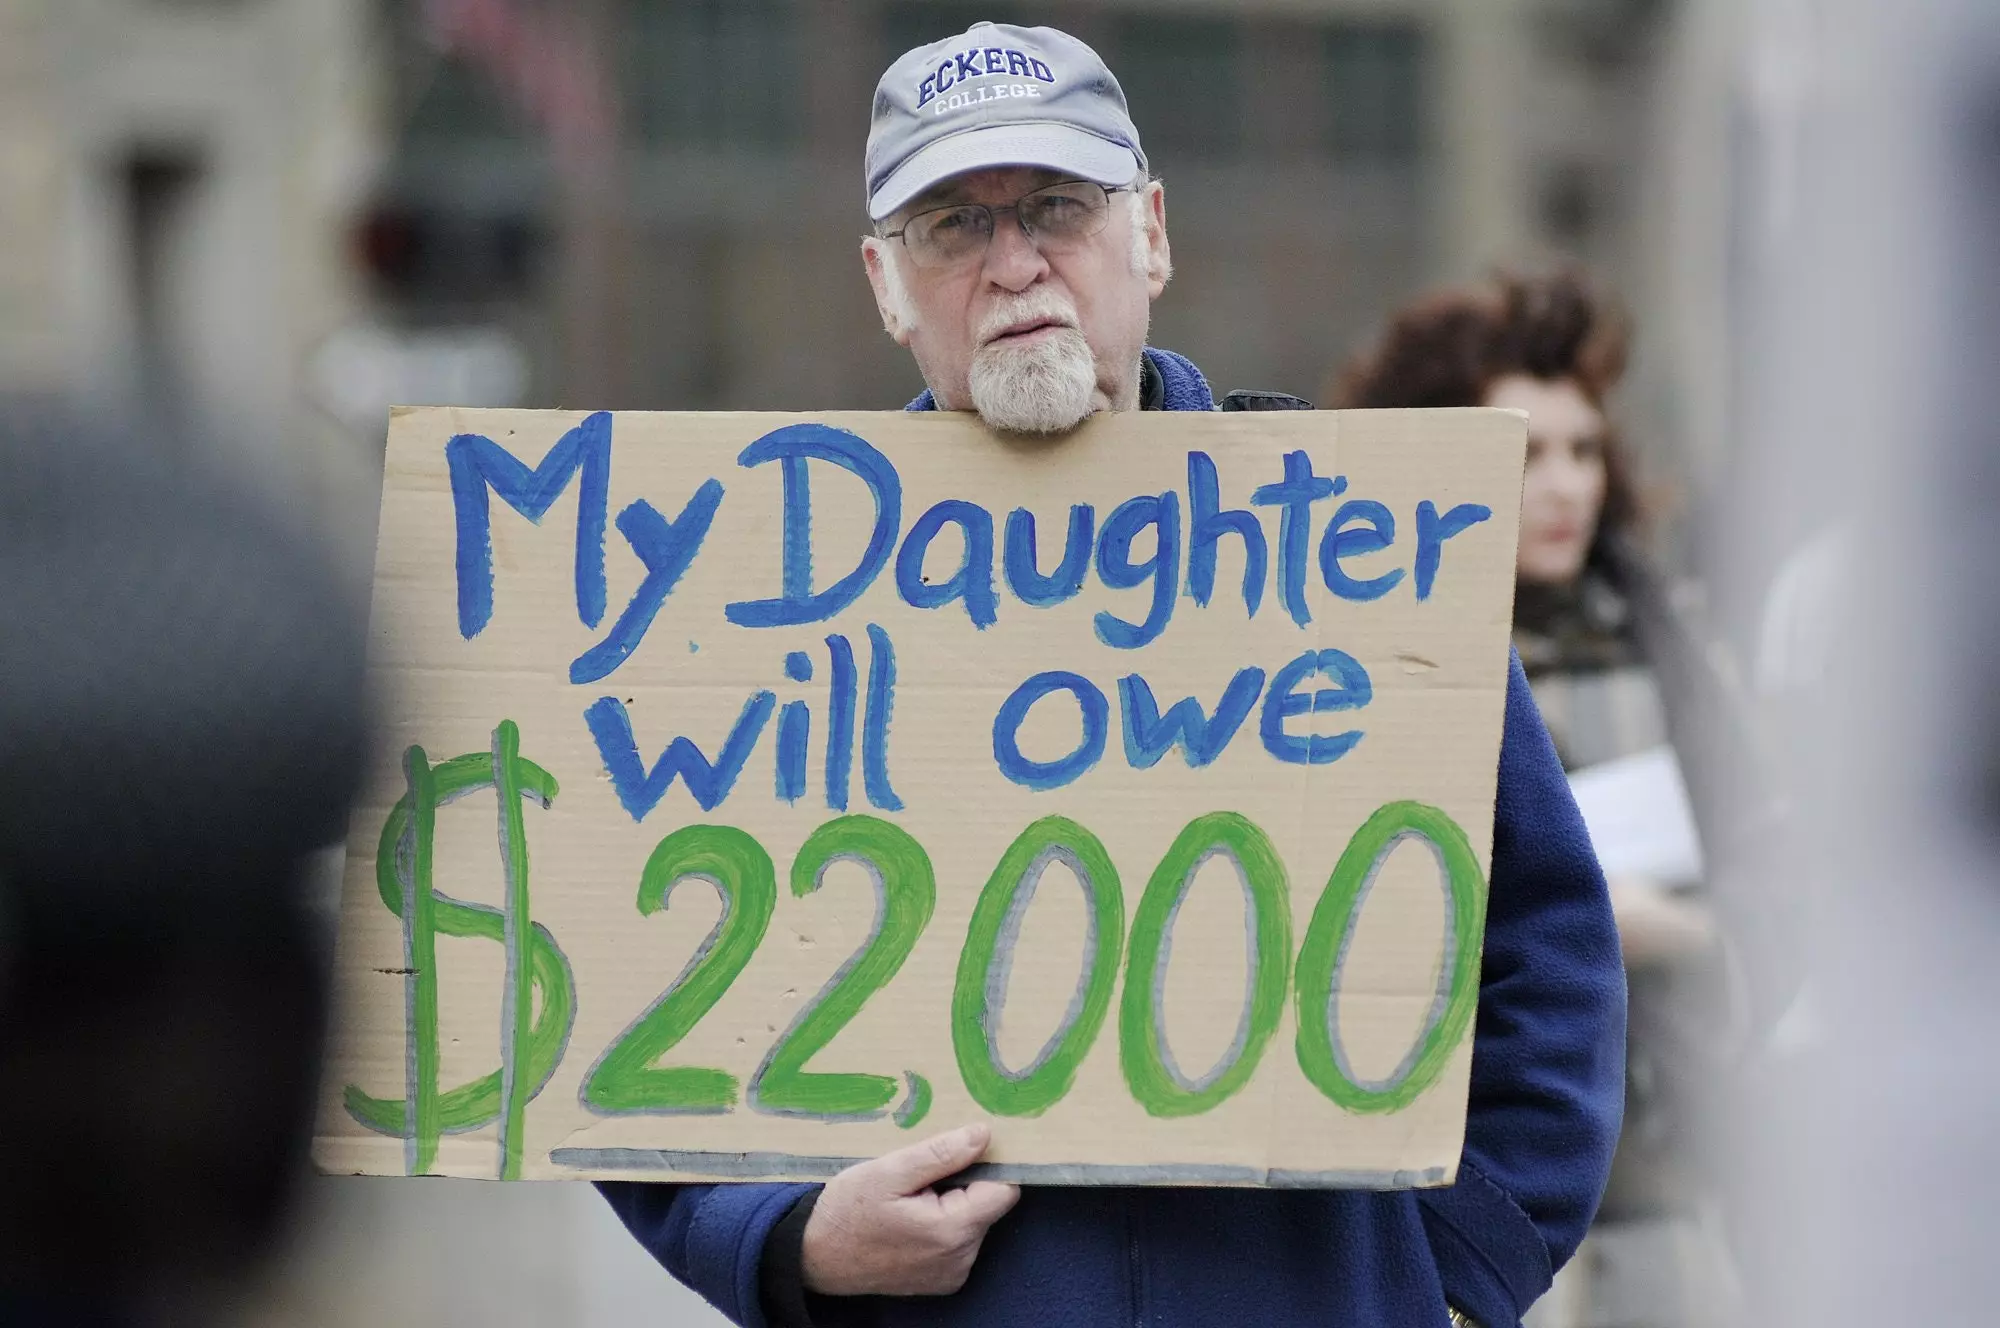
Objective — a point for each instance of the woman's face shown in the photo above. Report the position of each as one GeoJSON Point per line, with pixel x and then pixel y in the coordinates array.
{"type": "Point", "coordinates": [1563, 494]}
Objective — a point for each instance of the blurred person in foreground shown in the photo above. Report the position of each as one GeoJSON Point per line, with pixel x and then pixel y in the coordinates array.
{"type": "Point", "coordinates": [181, 726]}
{"type": "Point", "coordinates": [1017, 244]}
{"type": "Point", "coordinates": [1591, 618]}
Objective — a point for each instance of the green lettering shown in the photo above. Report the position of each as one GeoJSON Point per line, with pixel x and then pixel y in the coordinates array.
{"type": "Point", "coordinates": [1321, 957]}
{"type": "Point", "coordinates": [532, 1045]}
{"type": "Point", "coordinates": [1156, 1082]}
{"type": "Point", "coordinates": [905, 894]}
{"type": "Point", "coordinates": [988, 956]}
{"type": "Point", "coordinates": [625, 1078]}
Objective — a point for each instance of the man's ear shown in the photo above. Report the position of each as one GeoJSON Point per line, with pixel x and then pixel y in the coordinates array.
{"type": "Point", "coordinates": [1159, 255]}
{"type": "Point", "coordinates": [874, 255]}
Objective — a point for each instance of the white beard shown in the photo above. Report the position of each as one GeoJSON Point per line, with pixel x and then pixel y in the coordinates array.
{"type": "Point", "coordinates": [1046, 387]}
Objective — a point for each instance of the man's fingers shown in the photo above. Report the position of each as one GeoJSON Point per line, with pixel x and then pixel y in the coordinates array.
{"type": "Point", "coordinates": [980, 1204]}
{"type": "Point", "coordinates": [908, 1170]}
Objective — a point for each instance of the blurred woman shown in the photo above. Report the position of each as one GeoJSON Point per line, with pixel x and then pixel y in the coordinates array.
{"type": "Point", "coordinates": [1611, 667]}
{"type": "Point", "coordinates": [1549, 346]}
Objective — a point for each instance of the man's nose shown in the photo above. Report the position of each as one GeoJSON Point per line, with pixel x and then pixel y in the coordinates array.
{"type": "Point", "coordinates": [1012, 260]}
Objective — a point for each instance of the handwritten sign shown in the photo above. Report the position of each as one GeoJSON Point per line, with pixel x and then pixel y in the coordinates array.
{"type": "Point", "coordinates": [759, 789]}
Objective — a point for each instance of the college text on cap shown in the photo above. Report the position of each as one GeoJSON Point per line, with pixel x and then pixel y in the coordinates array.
{"type": "Point", "coordinates": [982, 62]}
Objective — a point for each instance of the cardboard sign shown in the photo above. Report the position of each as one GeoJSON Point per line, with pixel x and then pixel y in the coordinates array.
{"type": "Point", "coordinates": [763, 792]}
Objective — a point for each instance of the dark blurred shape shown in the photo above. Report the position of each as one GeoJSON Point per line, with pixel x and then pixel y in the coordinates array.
{"type": "Point", "coordinates": [181, 725]}
{"type": "Point", "coordinates": [1571, 202]}
{"type": "Point", "coordinates": [159, 182]}
{"type": "Point", "coordinates": [416, 253]}
{"type": "Point", "coordinates": [1608, 34]}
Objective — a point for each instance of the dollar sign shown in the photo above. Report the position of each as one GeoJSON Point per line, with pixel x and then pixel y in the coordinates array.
{"type": "Point", "coordinates": [530, 1047]}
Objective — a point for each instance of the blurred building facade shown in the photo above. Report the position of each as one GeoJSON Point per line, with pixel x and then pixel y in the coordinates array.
{"type": "Point", "coordinates": [175, 180]}
{"type": "Point", "coordinates": [300, 210]}
{"type": "Point", "coordinates": [288, 214]}
{"type": "Point", "coordinates": [1324, 159]}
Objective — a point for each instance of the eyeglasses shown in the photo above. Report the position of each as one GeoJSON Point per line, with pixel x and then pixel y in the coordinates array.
{"type": "Point", "coordinates": [1055, 218]}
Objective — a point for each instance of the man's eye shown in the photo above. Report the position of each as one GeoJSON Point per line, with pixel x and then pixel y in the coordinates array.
{"type": "Point", "coordinates": [955, 220]}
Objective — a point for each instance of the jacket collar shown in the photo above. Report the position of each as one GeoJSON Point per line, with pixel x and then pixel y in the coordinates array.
{"type": "Point", "coordinates": [1166, 382]}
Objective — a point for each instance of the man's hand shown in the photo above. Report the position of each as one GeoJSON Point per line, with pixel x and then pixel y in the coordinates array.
{"type": "Point", "coordinates": [880, 1229]}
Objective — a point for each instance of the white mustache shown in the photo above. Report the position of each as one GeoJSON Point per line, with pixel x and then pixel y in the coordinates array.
{"type": "Point", "coordinates": [1048, 307]}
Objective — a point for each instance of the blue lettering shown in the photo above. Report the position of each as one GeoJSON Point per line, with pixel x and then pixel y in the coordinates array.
{"type": "Point", "coordinates": [1024, 576]}
{"type": "Point", "coordinates": [1341, 542]}
{"type": "Point", "coordinates": [926, 90]}
{"type": "Point", "coordinates": [1041, 775]}
{"type": "Point", "coordinates": [792, 445]}
{"type": "Point", "coordinates": [972, 582]}
{"type": "Point", "coordinates": [968, 66]}
{"type": "Point", "coordinates": [1041, 71]}
{"type": "Point", "coordinates": [1117, 570]}
{"type": "Point", "coordinates": [875, 725]}
{"type": "Point", "coordinates": [1207, 525]}
{"type": "Point", "coordinates": [667, 548]}
{"type": "Point", "coordinates": [1433, 531]}
{"type": "Point", "coordinates": [943, 75]}
{"type": "Point", "coordinates": [840, 722]}
{"type": "Point", "coordinates": [794, 731]}
{"type": "Point", "coordinates": [995, 64]}
{"type": "Point", "coordinates": [1283, 702]}
{"type": "Point", "coordinates": [797, 570]}
{"type": "Point", "coordinates": [475, 462]}
{"type": "Point", "coordinates": [1148, 733]}
{"type": "Point", "coordinates": [1296, 494]}
{"type": "Point", "coordinates": [640, 789]}
{"type": "Point", "coordinates": [1017, 64]}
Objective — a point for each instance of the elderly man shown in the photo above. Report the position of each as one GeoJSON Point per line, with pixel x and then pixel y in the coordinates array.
{"type": "Point", "coordinates": [1018, 245]}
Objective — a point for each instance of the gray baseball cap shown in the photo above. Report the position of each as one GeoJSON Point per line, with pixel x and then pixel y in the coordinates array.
{"type": "Point", "coordinates": [997, 95]}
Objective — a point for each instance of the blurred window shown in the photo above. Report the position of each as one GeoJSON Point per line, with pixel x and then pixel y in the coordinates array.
{"type": "Point", "coordinates": [1183, 78]}
{"type": "Point", "coordinates": [908, 24]}
{"type": "Point", "coordinates": [1374, 84]}
{"type": "Point", "coordinates": [1186, 77]}
{"type": "Point", "coordinates": [712, 73]}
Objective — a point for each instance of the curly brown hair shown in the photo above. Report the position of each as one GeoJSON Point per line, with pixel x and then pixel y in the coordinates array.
{"type": "Point", "coordinates": [1449, 348]}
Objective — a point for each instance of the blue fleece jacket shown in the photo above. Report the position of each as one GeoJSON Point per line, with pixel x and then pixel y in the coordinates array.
{"type": "Point", "coordinates": [1546, 1099]}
